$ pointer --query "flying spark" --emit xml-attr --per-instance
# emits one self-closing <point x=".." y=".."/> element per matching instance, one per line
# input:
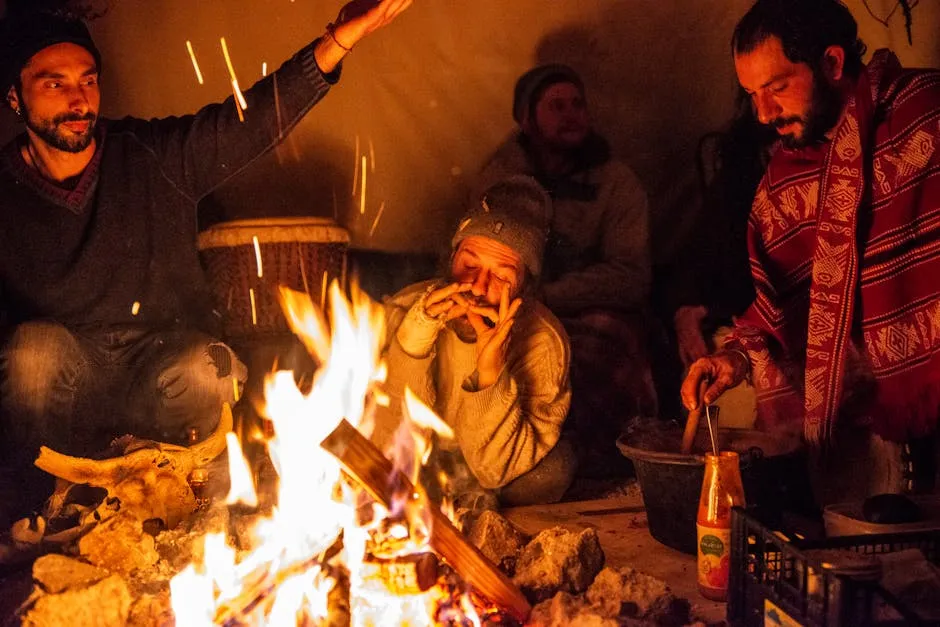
<point x="303" y="272"/>
<point x="362" y="197"/>
<point x="254" y="239"/>
<point x="254" y="312"/>
<point x="323" y="291"/>
<point x="135" y="308"/>
<point x="264" y="69"/>
<point x="378" y="216"/>
<point x="236" y="90"/>
<point x="192" y="55"/>
<point x="372" y="154"/>
<point x="356" y="169"/>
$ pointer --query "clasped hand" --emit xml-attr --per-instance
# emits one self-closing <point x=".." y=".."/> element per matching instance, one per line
<point x="492" y="325"/>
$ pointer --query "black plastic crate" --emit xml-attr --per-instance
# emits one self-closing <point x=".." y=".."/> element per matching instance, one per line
<point x="773" y="581"/>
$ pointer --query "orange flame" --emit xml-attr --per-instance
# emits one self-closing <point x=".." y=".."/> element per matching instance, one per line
<point x="314" y="506"/>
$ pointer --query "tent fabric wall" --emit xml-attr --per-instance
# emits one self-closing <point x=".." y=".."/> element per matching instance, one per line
<point x="428" y="99"/>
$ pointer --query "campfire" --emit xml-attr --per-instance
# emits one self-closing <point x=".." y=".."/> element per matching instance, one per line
<point x="336" y="533"/>
<point x="346" y="516"/>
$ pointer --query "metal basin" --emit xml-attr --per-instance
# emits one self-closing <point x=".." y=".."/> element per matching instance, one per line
<point x="773" y="470"/>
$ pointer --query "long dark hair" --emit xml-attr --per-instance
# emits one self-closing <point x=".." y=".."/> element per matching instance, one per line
<point x="805" y="28"/>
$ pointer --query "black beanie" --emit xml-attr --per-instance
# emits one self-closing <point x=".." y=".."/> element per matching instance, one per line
<point x="24" y="34"/>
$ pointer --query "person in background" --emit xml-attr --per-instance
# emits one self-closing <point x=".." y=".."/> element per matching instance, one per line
<point x="842" y="341"/>
<point x="100" y="280"/>
<point x="597" y="275"/>
<point x="491" y="360"/>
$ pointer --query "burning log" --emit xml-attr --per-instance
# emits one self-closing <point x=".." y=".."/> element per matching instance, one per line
<point x="368" y="466"/>
<point x="410" y="574"/>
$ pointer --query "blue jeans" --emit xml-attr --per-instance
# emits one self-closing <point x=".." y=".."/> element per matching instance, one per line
<point x="75" y="390"/>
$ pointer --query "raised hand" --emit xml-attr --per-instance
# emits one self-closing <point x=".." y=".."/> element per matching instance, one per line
<point x="493" y="341"/>
<point x="360" y="17"/>
<point x="355" y="20"/>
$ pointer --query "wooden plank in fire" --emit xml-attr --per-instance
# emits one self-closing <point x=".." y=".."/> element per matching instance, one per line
<point x="364" y="462"/>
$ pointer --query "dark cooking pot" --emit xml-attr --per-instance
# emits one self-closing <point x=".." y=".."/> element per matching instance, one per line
<point x="773" y="470"/>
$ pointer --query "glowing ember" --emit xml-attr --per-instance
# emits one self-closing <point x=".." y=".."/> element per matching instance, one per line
<point x="240" y="103"/>
<point x="355" y="182"/>
<point x="362" y="195"/>
<point x="254" y="310"/>
<point x="192" y="55"/>
<point x="254" y="240"/>
<point x="321" y="523"/>
<point x="378" y="216"/>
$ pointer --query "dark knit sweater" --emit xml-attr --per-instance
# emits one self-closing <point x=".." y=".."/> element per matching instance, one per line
<point x="126" y="232"/>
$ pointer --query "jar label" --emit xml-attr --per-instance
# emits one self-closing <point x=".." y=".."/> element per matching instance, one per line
<point x="714" y="557"/>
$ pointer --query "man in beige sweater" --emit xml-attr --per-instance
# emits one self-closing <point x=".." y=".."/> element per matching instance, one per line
<point x="597" y="273"/>
<point x="490" y="360"/>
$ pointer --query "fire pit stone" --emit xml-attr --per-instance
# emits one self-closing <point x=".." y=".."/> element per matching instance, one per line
<point x="58" y="573"/>
<point x="559" y="560"/>
<point x="629" y="593"/>
<point x="618" y="597"/>
<point x="119" y="544"/>
<point x="104" y="603"/>
<point x="498" y="539"/>
<point x="567" y="610"/>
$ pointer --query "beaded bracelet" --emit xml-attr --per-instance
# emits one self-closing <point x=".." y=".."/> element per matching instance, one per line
<point x="331" y="31"/>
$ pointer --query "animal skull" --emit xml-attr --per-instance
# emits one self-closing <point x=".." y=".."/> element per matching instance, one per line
<point x="149" y="481"/>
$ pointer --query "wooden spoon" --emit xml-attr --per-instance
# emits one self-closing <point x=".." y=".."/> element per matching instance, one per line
<point x="691" y="425"/>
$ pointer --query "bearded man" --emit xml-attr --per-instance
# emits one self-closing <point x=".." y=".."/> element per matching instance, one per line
<point x="99" y="273"/>
<point x="843" y="339"/>
<point x="597" y="273"/>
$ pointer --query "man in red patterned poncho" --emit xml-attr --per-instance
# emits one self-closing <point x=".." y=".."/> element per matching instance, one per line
<point x="843" y="339"/>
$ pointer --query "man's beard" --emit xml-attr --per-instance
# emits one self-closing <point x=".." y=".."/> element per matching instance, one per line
<point x="65" y="140"/>
<point x="824" y="111"/>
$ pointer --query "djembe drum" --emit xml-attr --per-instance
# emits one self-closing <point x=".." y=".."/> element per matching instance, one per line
<point x="246" y="261"/>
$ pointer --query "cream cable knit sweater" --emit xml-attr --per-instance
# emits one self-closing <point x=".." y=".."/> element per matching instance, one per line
<point x="503" y="430"/>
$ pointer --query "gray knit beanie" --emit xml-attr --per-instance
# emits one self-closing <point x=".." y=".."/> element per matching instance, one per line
<point x="516" y="212"/>
<point x="533" y="84"/>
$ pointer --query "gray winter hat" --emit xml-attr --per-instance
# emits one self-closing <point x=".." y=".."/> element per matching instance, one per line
<point x="515" y="211"/>
<point x="533" y="84"/>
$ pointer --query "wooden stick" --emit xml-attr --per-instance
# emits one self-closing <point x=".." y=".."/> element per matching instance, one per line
<point x="691" y="425"/>
<point x="368" y="466"/>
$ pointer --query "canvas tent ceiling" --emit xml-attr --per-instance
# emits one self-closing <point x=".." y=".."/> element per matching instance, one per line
<point x="429" y="97"/>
